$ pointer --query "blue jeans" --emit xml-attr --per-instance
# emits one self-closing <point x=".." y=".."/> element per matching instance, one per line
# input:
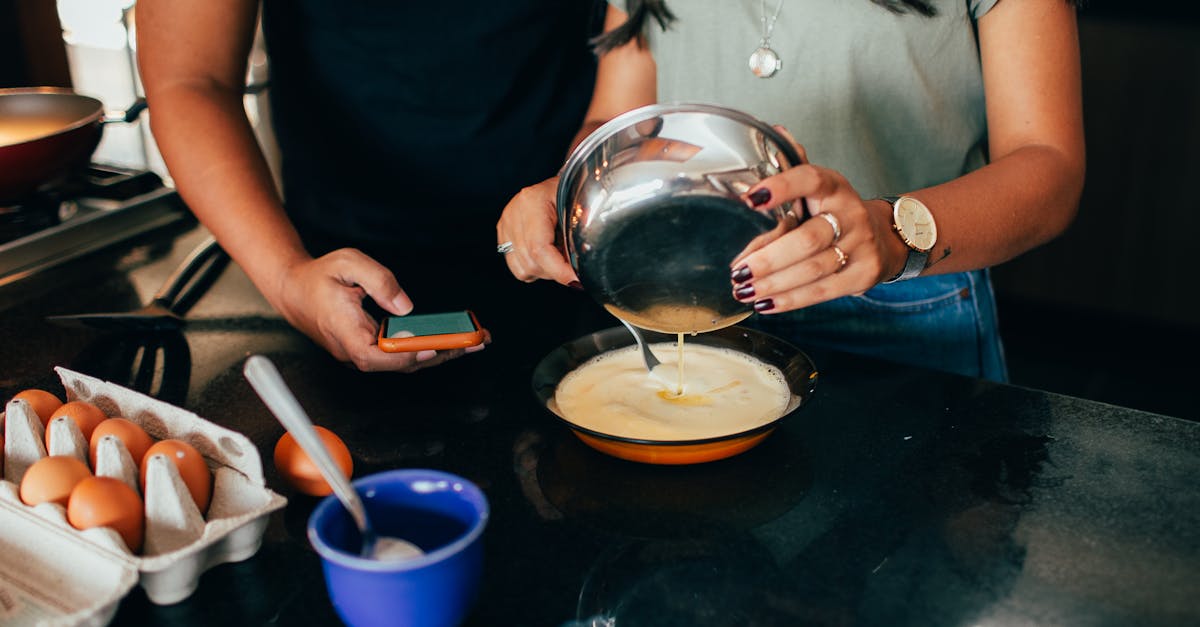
<point x="945" y="322"/>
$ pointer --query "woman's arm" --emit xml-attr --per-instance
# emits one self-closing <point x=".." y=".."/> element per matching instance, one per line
<point x="1027" y="195"/>
<point x="625" y="80"/>
<point x="192" y="59"/>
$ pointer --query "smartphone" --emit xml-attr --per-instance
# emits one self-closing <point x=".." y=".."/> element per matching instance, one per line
<point x="437" y="331"/>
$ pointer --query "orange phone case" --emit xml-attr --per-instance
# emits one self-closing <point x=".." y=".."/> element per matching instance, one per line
<point x="443" y="341"/>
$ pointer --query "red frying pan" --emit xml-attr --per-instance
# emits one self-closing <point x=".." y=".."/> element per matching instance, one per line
<point x="45" y="134"/>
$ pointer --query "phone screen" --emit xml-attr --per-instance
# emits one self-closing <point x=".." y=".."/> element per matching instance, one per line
<point x="428" y="324"/>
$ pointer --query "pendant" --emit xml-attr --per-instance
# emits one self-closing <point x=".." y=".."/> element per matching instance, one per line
<point x="764" y="63"/>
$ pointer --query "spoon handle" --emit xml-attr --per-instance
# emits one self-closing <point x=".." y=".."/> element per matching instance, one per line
<point x="266" y="380"/>
<point x="651" y="361"/>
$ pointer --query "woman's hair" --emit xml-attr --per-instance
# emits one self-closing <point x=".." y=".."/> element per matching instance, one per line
<point x="639" y="10"/>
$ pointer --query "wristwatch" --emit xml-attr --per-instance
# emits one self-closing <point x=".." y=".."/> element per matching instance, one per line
<point x="913" y="222"/>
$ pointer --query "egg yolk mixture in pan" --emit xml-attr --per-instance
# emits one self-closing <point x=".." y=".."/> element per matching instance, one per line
<point x="723" y="392"/>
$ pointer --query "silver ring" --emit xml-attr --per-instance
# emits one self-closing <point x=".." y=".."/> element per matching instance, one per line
<point x="843" y="258"/>
<point x="837" y="226"/>
<point x="504" y="248"/>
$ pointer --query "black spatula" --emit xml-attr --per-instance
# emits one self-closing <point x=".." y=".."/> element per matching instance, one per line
<point x="164" y="311"/>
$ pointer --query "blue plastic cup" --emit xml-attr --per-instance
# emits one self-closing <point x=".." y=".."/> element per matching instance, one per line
<point x="441" y="513"/>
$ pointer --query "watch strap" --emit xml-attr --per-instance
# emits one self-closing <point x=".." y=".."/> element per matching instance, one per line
<point x="913" y="265"/>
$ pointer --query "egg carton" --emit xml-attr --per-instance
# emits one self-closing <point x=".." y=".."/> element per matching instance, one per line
<point x="52" y="574"/>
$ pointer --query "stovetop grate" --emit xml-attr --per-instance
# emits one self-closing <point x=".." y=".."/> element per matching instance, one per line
<point x="113" y="205"/>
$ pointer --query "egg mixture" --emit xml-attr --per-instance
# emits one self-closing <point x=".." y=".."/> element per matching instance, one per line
<point x="720" y="392"/>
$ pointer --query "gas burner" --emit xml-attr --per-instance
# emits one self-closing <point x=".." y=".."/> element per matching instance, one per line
<point x="97" y="186"/>
<point x="95" y="208"/>
<point x="20" y="220"/>
<point x="103" y="182"/>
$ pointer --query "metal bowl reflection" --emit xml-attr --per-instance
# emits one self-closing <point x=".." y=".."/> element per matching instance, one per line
<point x="652" y="212"/>
<point x="798" y="370"/>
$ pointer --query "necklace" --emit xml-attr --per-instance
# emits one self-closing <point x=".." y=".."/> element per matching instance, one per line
<point x="765" y="62"/>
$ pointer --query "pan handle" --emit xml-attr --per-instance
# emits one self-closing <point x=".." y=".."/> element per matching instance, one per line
<point x="128" y="115"/>
<point x="139" y="105"/>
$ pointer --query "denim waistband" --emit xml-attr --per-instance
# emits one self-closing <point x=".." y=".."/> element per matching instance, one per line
<point x="945" y="322"/>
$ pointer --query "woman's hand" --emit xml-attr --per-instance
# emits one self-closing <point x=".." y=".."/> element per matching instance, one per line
<point x="528" y="224"/>
<point x="846" y="247"/>
<point x="323" y="298"/>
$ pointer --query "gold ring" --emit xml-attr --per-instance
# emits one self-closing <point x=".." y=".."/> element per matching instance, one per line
<point x="833" y="221"/>
<point x="843" y="258"/>
<point x="504" y="248"/>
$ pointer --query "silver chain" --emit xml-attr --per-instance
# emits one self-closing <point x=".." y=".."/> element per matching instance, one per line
<point x="768" y="27"/>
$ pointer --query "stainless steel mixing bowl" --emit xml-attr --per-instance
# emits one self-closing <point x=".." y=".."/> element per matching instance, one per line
<point x="652" y="214"/>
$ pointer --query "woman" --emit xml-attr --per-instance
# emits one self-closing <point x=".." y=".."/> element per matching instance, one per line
<point x="969" y="110"/>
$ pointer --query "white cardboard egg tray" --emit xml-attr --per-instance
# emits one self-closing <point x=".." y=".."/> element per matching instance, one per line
<point x="52" y="574"/>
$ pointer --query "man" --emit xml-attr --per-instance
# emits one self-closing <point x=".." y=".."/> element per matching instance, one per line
<point x="404" y="127"/>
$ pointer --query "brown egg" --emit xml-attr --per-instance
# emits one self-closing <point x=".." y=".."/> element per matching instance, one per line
<point x="86" y="415"/>
<point x="44" y="404"/>
<point x="135" y="438"/>
<point x="108" y="502"/>
<point x="192" y="469"/>
<point x="51" y="479"/>
<point x="298" y="469"/>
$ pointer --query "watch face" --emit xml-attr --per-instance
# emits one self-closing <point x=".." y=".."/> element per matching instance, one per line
<point x="915" y="223"/>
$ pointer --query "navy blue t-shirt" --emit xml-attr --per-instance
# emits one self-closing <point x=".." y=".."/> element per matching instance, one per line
<point x="408" y="125"/>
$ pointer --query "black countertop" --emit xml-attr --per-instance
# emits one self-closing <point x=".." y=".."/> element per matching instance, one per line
<point x="894" y="497"/>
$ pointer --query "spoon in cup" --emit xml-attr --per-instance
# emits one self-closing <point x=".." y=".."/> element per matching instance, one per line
<point x="266" y="380"/>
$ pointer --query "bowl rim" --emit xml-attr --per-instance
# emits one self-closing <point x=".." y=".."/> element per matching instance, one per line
<point x="614" y="333"/>
<point x="326" y="507"/>
<point x="645" y="112"/>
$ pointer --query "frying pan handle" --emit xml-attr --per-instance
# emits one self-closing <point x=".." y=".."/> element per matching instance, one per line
<point x="139" y="105"/>
<point x="128" y="115"/>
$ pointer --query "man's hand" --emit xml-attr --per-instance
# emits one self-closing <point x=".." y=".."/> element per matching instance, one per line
<point x="323" y="298"/>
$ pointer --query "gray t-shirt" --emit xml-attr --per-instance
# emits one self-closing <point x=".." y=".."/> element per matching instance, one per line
<point x="893" y="101"/>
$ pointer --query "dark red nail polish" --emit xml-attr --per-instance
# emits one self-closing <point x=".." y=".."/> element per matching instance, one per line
<point x="741" y="274"/>
<point x="744" y="291"/>
<point x="576" y="285"/>
<point x="760" y="197"/>
<point x="765" y="304"/>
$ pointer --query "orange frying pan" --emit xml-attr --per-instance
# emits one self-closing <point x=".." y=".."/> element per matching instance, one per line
<point x="798" y="370"/>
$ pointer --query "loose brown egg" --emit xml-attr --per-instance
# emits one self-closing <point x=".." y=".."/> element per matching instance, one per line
<point x="44" y="404"/>
<point x="192" y="469"/>
<point x="135" y="438"/>
<point x="108" y="502"/>
<point x="86" y="415"/>
<point x="298" y="469"/>
<point x="51" y="479"/>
